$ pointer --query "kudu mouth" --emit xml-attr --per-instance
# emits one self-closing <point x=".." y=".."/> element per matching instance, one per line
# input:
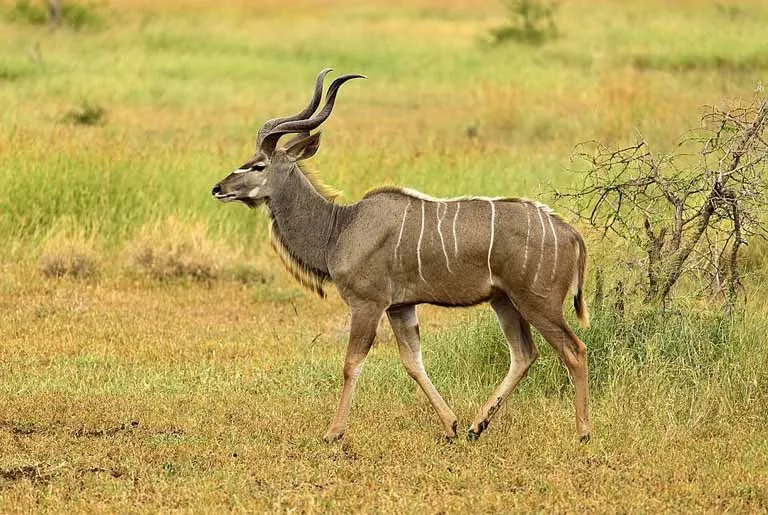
<point x="220" y="195"/>
<point x="225" y="197"/>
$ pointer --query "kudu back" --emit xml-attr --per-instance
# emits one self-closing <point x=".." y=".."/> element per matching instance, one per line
<point x="397" y="248"/>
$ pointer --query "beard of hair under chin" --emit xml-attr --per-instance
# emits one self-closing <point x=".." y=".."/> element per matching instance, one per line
<point x="253" y="203"/>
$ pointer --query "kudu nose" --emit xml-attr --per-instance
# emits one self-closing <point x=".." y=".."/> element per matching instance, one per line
<point x="216" y="189"/>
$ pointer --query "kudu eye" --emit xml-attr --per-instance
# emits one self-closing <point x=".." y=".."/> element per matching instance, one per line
<point x="251" y="166"/>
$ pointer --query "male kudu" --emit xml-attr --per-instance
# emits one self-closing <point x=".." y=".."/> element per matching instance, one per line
<point x="397" y="248"/>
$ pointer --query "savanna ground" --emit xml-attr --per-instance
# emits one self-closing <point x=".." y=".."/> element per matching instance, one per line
<point x="155" y="356"/>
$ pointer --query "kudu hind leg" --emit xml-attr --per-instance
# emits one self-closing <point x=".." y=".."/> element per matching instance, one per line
<point x="362" y="333"/>
<point x="573" y="352"/>
<point x="522" y="353"/>
<point x="405" y="325"/>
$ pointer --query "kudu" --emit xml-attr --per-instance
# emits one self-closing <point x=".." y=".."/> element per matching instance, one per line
<point x="397" y="248"/>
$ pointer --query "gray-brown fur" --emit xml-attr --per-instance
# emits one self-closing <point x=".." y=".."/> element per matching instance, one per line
<point x="396" y="248"/>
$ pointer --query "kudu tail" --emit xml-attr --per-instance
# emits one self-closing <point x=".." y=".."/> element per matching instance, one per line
<point x="578" y="300"/>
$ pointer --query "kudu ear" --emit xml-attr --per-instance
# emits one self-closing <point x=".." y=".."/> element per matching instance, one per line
<point x="303" y="147"/>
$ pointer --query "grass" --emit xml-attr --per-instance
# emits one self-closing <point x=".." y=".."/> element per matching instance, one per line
<point x="85" y="114"/>
<point x="70" y="255"/>
<point x="155" y="397"/>
<point x="188" y="372"/>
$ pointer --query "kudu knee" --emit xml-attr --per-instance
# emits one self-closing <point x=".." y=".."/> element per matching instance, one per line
<point x="352" y="370"/>
<point x="575" y="354"/>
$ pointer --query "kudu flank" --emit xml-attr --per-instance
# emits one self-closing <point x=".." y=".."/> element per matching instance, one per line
<point x="397" y="248"/>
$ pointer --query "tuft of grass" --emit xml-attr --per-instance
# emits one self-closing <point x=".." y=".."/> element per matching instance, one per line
<point x="68" y="254"/>
<point x="85" y="113"/>
<point x="666" y="353"/>
<point x="11" y="71"/>
<point x="27" y="12"/>
<point x="72" y="15"/>
<point x="81" y="17"/>
<point x="528" y="21"/>
<point x="247" y="274"/>
<point x="173" y="249"/>
<point x="474" y="354"/>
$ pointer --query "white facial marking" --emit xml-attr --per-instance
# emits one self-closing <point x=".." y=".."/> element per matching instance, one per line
<point x="527" y="235"/>
<point x="242" y="170"/>
<point x="442" y="241"/>
<point x="254" y="192"/>
<point x="418" y="248"/>
<point x="493" y="231"/>
<point x="455" y="241"/>
<point x="541" y="247"/>
<point x="402" y="226"/>
<point x="554" y="262"/>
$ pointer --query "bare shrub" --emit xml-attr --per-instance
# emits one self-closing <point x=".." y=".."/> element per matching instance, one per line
<point x="173" y="249"/>
<point x="70" y="254"/>
<point x="689" y="212"/>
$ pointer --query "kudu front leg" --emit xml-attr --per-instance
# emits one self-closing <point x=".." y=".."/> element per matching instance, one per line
<point x="362" y="332"/>
<point x="522" y="354"/>
<point x="405" y="325"/>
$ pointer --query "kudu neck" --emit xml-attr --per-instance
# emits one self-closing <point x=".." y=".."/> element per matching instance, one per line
<point x="303" y="220"/>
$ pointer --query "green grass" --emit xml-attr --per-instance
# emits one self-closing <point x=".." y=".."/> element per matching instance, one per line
<point x="150" y="385"/>
<point x="199" y="98"/>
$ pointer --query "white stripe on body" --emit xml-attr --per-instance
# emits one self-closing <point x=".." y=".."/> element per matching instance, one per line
<point x="554" y="262"/>
<point x="493" y="233"/>
<point x="423" y="196"/>
<point x="455" y="240"/>
<point x="442" y="241"/>
<point x="402" y="226"/>
<point x="527" y="235"/>
<point x="418" y="248"/>
<point x="541" y="247"/>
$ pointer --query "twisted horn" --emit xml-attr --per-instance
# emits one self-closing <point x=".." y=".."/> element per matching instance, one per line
<point x="271" y="124"/>
<point x="269" y="141"/>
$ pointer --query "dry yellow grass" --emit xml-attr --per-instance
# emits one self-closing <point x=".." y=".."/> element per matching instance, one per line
<point x="71" y="254"/>
<point x="133" y="396"/>
<point x="173" y="249"/>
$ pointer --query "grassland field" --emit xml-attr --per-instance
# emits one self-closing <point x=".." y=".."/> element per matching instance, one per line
<point x="154" y="356"/>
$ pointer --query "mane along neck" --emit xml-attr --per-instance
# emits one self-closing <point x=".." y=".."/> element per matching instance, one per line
<point x="302" y="219"/>
<point x="329" y="193"/>
<point x="411" y="193"/>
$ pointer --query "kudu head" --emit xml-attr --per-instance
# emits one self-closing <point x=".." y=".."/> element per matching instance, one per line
<point x="264" y="173"/>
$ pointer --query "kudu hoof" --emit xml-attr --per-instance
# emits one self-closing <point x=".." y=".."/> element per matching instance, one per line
<point x="584" y="438"/>
<point x="472" y="435"/>
<point x="332" y="437"/>
<point x="446" y="439"/>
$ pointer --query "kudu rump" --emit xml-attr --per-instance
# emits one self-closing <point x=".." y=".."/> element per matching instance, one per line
<point x="397" y="248"/>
